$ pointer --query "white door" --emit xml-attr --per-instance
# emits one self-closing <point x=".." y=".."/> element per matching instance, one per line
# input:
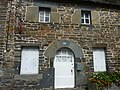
<point x="29" y="60"/>
<point x="64" y="69"/>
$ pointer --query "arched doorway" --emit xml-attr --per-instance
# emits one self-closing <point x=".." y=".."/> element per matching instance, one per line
<point x="64" y="75"/>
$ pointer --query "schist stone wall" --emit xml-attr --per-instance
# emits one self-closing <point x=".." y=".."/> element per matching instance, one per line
<point x="65" y="27"/>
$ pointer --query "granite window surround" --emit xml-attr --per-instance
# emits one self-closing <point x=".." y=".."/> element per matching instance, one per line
<point x="48" y="15"/>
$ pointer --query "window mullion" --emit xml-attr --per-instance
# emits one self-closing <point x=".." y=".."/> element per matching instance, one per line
<point x="84" y="19"/>
<point x="49" y="16"/>
<point x="89" y="18"/>
<point x="44" y="15"/>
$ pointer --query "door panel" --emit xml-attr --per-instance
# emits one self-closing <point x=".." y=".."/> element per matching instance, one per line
<point x="64" y="69"/>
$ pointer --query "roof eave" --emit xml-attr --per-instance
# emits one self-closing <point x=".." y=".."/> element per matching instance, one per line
<point x="97" y="2"/>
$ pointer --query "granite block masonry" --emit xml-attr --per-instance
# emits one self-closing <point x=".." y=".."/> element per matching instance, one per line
<point x="65" y="30"/>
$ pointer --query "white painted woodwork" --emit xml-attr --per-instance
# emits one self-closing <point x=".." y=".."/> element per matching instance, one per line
<point x="29" y="60"/>
<point x="64" y="69"/>
<point x="99" y="59"/>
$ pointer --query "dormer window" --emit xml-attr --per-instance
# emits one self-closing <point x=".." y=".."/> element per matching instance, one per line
<point x="85" y="17"/>
<point x="44" y="15"/>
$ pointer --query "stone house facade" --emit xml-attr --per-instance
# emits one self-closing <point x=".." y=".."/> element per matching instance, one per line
<point x="47" y="45"/>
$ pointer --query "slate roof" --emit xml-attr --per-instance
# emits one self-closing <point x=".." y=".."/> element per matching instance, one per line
<point x="111" y="2"/>
<point x="104" y="2"/>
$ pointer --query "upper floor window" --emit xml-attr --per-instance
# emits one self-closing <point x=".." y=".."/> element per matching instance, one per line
<point x="85" y="17"/>
<point x="44" y="15"/>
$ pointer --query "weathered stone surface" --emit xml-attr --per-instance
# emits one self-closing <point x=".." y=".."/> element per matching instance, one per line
<point x="31" y="14"/>
<point x="104" y="32"/>
<point x="54" y="17"/>
<point x="76" y="17"/>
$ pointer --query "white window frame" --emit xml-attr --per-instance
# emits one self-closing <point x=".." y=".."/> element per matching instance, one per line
<point x="99" y="60"/>
<point x="84" y="17"/>
<point x="44" y="16"/>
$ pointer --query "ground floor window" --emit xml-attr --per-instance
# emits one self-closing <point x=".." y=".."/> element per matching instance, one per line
<point x="99" y="59"/>
<point x="29" y="60"/>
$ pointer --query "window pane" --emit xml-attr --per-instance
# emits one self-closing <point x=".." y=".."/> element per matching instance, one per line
<point x="47" y="19"/>
<point x="47" y="13"/>
<point x="58" y="58"/>
<point x="69" y="58"/>
<point x="87" y="20"/>
<point x="42" y="13"/>
<point x="41" y="18"/>
<point x="82" y="20"/>
<point x="86" y="15"/>
<point x="69" y="53"/>
<point x="82" y="15"/>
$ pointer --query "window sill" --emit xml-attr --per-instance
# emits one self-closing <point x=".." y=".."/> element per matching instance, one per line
<point x="86" y="24"/>
<point x="27" y="77"/>
<point x="44" y="22"/>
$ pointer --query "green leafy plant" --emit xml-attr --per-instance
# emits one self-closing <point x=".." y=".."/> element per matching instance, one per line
<point x="105" y="79"/>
